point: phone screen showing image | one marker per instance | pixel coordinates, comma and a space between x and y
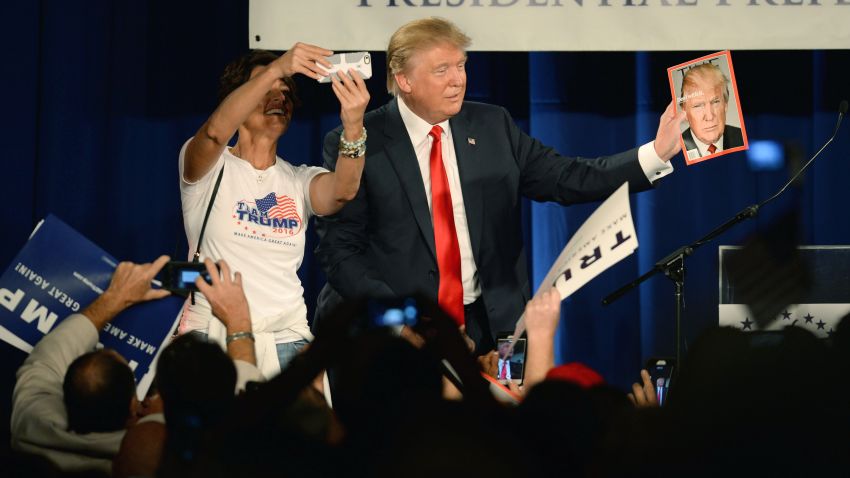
179, 276
661, 372
511, 364
187, 278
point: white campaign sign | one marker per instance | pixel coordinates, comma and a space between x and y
560, 25
606, 237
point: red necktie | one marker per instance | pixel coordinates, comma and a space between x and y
504, 373
711, 149
450, 295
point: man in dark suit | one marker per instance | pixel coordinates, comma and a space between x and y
705, 99
438, 210
731, 138
509, 365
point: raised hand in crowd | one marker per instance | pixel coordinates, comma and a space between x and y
130, 284
408, 334
489, 363
542, 315
229, 305
470, 344
643, 395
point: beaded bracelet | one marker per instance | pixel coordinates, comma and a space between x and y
353, 149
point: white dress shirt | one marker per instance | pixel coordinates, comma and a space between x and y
703, 147
418, 130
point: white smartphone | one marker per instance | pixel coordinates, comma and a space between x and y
360, 61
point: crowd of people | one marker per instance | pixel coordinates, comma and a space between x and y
410, 204
415, 403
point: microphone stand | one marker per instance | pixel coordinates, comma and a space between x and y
673, 265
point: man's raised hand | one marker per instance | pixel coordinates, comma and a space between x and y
130, 284
226, 296
667, 142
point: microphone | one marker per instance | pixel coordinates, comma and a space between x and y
842, 110
753, 210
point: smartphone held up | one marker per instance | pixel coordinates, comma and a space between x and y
661, 373
360, 61
511, 364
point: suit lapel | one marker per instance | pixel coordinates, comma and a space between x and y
470, 169
689, 140
690, 144
400, 152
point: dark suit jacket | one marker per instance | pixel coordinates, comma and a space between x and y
382, 242
732, 138
515, 367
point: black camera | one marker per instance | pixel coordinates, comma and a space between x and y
179, 276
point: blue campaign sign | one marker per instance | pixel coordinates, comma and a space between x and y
59, 272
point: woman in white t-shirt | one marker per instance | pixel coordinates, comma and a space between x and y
261, 209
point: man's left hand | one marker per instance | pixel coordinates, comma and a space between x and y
489, 363
667, 142
130, 284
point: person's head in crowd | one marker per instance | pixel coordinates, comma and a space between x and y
264, 434
426, 61
275, 112
195, 378
381, 377
714, 358
560, 426
99, 393
452, 439
310, 418
505, 350
196, 381
705, 97
381, 381
744, 398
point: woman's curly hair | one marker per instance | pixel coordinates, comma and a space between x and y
237, 72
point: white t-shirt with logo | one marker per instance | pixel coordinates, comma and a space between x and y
257, 224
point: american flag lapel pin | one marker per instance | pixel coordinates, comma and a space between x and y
471, 141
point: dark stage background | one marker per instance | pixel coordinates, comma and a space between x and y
100, 95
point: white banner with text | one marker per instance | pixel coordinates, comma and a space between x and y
604, 239
560, 25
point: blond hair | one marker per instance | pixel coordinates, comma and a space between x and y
708, 72
416, 36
